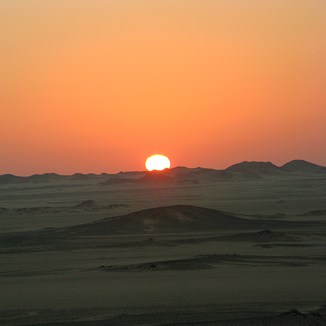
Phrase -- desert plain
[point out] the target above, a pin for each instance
(240, 246)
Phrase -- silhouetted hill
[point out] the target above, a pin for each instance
(254, 168)
(36, 178)
(302, 166)
(10, 178)
(175, 175)
(46, 177)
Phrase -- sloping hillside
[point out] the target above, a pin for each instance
(173, 219)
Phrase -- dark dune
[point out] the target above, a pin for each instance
(36, 178)
(169, 219)
(302, 166)
(177, 219)
(254, 168)
(10, 178)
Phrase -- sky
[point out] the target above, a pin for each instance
(100, 85)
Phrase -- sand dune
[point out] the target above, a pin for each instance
(197, 225)
(252, 168)
(178, 219)
(302, 166)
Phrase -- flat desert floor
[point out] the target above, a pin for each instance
(234, 252)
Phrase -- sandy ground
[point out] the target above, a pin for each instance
(221, 277)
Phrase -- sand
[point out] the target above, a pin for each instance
(73, 251)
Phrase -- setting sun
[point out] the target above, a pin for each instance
(157, 162)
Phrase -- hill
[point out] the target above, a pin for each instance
(173, 219)
(302, 166)
(254, 168)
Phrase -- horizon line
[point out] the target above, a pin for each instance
(145, 171)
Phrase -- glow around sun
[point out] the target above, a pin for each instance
(157, 162)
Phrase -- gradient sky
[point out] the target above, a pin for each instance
(99, 85)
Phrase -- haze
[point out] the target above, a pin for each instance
(95, 86)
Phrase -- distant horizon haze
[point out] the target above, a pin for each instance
(155, 171)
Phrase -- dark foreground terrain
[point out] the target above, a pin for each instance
(240, 248)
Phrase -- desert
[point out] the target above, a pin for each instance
(246, 249)
(162, 162)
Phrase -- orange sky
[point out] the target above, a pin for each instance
(97, 86)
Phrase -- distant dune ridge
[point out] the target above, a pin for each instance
(175, 175)
(302, 166)
(254, 167)
(243, 170)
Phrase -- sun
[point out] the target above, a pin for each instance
(157, 162)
